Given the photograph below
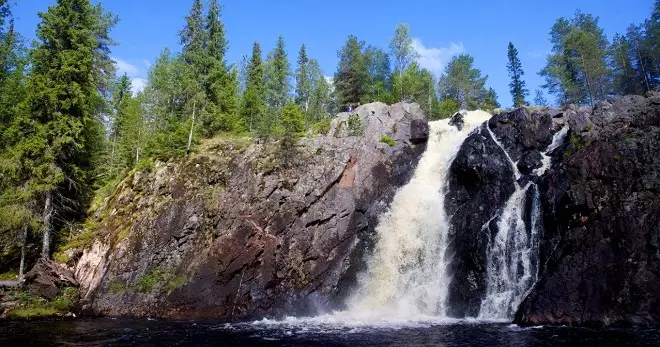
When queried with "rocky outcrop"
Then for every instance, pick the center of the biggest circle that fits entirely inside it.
(243, 230)
(599, 258)
(46, 279)
(601, 250)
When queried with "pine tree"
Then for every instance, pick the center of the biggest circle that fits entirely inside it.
(351, 78)
(624, 77)
(253, 109)
(539, 98)
(463, 83)
(576, 71)
(303, 85)
(320, 93)
(196, 65)
(517, 84)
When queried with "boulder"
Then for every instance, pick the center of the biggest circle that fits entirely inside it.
(46, 279)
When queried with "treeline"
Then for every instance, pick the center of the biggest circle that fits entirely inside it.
(585, 67)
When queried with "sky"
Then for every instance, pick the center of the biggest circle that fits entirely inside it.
(440, 28)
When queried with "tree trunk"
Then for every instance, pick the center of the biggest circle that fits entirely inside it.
(21, 269)
(641, 65)
(48, 218)
(192, 126)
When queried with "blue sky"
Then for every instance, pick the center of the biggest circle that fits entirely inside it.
(441, 28)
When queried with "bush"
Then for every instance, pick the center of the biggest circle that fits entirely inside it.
(388, 140)
(321, 127)
(355, 127)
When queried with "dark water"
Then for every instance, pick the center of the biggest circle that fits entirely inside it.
(110, 332)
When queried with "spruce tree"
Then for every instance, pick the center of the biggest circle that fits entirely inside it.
(351, 78)
(303, 86)
(517, 84)
(539, 98)
(278, 86)
(220, 84)
(254, 99)
(57, 119)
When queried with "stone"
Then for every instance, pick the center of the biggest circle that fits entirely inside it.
(457, 120)
(46, 279)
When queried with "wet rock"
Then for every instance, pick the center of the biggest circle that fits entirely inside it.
(46, 279)
(457, 120)
(601, 215)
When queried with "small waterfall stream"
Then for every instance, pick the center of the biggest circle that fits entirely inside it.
(512, 263)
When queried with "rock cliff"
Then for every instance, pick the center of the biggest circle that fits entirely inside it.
(244, 230)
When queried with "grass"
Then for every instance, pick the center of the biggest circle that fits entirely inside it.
(29, 306)
(11, 275)
(158, 278)
(388, 140)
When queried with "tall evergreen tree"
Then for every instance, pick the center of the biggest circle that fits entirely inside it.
(576, 71)
(320, 93)
(517, 84)
(253, 109)
(278, 86)
(303, 85)
(351, 78)
(220, 84)
(58, 119)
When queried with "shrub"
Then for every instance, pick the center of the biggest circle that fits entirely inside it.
(355, 127)
(388, 140)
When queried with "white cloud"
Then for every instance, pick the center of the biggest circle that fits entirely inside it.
(138, 84)
(539, 53)
(123, 67)
(435, 58)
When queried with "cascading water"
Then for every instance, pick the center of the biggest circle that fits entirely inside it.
(406, 275)
(513, 253)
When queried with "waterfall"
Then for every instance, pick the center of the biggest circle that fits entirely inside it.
(512, 256)
(406, 274)
(512, 262)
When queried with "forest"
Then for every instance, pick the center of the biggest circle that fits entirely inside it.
(71, 128)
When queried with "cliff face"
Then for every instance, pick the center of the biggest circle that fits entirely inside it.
(601, 248)
(598, 258)
(244, 230)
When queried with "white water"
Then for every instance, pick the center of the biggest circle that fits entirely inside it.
(512, 261)
(406, 276)
(514, 165)
(557, 140)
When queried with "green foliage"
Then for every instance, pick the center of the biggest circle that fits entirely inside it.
(418, 86)
(403, 52)
(292, 121)
(157, 278)
(10, 275)
(445, 109)
(463, 83)
(517, 84)
(576, 71)
(355, 127)
(253, 109)
(539, 98)
(388, 140)
(351, 76)
(29, 306)
(321, 127)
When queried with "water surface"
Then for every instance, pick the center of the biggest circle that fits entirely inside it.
(126, 332)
